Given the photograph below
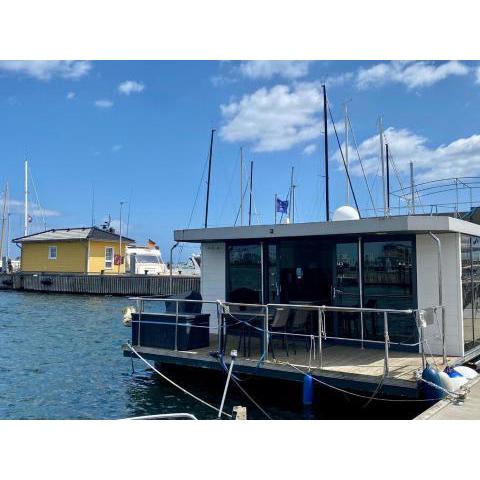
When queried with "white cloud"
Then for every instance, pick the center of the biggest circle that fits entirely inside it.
(274, 119)
(269, 68)
(17, 207)
(47, 69)
(117, 148)
(411, 74)
(477, 75)
(71, 95)
(459, 158)
(310, 149)
(131, 86)
(103, 103)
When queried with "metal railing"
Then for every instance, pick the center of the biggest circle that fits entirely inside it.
(259, 319)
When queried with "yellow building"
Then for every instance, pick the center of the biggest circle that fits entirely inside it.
(73, 250)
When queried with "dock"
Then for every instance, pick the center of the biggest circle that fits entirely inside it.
(94, 284)
(448, 410)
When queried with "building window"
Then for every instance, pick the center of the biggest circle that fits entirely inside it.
(52, 253)
(108, 258)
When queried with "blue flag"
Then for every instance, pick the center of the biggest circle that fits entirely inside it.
(282, 206)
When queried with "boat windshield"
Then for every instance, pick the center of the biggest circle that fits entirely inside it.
(148, 259)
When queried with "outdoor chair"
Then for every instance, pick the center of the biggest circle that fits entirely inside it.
(298, 326)
(279, 325)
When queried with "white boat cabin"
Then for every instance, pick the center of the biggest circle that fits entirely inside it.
(388, 262)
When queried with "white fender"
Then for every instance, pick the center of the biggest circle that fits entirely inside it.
(127, 315)
(467, 372)
(446, 381)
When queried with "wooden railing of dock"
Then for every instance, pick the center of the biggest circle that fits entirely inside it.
(99, 284)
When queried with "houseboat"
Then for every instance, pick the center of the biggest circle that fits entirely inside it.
(354, 303)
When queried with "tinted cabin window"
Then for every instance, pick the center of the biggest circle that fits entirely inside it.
(388, 283)
(470, 290)
(245, 273)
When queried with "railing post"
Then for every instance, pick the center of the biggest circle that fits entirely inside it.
(265, 335)
(176, 325)
(385, 327)
(219, 329)
(444, 343)
(320, 332)
(139, 321)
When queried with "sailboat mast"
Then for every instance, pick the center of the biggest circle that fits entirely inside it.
(382, 161)
(25, 219)
(325, 133)
(291, 206)
(209, 176)
(347, 185)
(241, 186)
(251, 194)
(4, 219)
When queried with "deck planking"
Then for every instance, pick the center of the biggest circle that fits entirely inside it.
(344, 366)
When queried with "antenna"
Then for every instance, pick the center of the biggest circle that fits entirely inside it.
(325, 128)
(209, 175)
(93, 204)
(128, 214)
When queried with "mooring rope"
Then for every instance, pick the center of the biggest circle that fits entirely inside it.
(175, 384)
(373, 398)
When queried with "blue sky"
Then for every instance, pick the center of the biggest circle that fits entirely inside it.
(140, 131)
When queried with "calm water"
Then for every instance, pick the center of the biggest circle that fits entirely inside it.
(61, 358)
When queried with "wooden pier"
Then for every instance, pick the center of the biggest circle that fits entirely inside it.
(446, 409)
(121, 285)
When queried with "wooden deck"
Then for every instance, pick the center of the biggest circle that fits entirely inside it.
(343, 366)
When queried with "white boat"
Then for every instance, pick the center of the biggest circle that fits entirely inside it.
(191, 267)
(144, 261)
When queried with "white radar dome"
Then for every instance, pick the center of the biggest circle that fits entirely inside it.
(345, 213)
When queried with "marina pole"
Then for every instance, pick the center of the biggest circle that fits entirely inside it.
(325, 133)
(25, 207)
(241, 186)
(251, 194)
(209, 176)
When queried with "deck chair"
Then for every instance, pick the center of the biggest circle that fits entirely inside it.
(279, 324)
(299, 326)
